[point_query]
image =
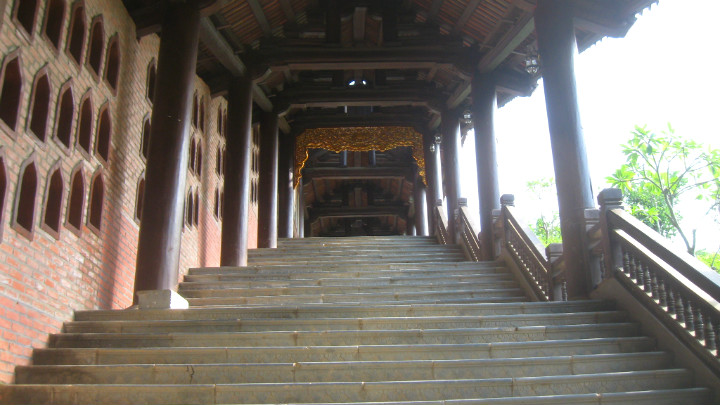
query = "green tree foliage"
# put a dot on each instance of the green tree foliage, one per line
(711, 259)
(547, 226)
(659, 170)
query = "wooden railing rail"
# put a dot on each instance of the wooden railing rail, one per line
(527, 252)
(468, 235)
(441, 227)
(676, 288)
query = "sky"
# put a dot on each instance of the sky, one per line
(665, 70)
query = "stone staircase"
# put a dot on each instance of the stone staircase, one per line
(355, 320)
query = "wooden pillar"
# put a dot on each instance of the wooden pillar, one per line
(434, 179)
(372, 161)
(421, 219)
(234, 237)
(268, 182)
(285, 187)
(301, 210)
(390, 20)
(451, 166)
(484, 96)
(158, 251)
(344, 158)
(557, 47)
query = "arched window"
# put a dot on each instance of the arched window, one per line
(219, 120)
(202, 114)
(216, 211)
(152, 72)
(222, 202)
(76, 201)
(53, 203)
(54, 16)
(3, 189)
(189, 209)
(76, 35)
(139, 199)
(112, 64)
(104, 133)
(199, 159)
(11, 91)
(145, 141)
(196, 212)
(40, 106)
(25, 12)
(64, 116)
(25, 199)
(195, 111)
(97, 195)
(97, 44)
(84, 136)
(191, 163)
(218, 161)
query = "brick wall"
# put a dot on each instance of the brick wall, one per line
(46, 275)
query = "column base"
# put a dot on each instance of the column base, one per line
(161, 299)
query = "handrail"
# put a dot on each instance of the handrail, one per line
(524, 248)
(468, 236)
(441, 224)
(683, 295)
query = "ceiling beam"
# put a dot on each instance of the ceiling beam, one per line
(357, 173)
(224, 53)
(288, 10)
(356, 212)
(467, 13)
(305, 121)
(434, 9)
(259, 14)
(359, 24)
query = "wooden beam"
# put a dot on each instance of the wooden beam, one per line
(259, 14)
(434, 9)
(338, 119)
(356, 212)
(357, 173)
(507, 44)
(467, 13)
(359, 24)
(288, 10)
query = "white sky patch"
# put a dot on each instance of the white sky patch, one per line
(664, 71)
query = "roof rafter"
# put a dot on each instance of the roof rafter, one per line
(259, 14)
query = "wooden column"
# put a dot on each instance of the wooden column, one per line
(268, 182)
(557, 47)
(421, 219)
(158, 251)
(484, 96)
(451, 166)
(236, 202)
(434, 179)
(285, 187)
(301, 210)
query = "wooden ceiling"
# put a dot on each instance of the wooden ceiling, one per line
(409, 59)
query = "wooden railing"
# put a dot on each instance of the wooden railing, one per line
(676, 288)
(468, 236)
(441, 227)
(527, 252)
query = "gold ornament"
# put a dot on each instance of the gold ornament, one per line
(358, 139)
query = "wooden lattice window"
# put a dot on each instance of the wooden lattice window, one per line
(40, 106)
(76, 35)
(85, 119)
(64, 116)
(76, 201)
(54, 16)
(104, 134)
(97, 45)
(25, 199)
(53, 203)
(11, 91)
(97, 197)
(112, 64)
(25, 12)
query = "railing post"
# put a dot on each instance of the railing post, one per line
(506, 200)
(462, 202)
(609, 199)
(554, 252)
(497, 233)
(591, 216)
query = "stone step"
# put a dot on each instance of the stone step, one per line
(225, 302)
(368, 282)
(320, 324)
(341, 371)
(345, 392)
(377, 297)
(343, 311)
(345, 337)
(352, 260)
(292, 354)
(358, 240)
(339, 250)
(433, 265)
(232, 291)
